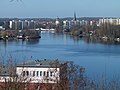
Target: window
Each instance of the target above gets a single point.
(40, 73)
(23, 73)
(5, 80)
(27, 73)
(37, 73)
(30, 73)
(51, 74)
(44, 73)
(47, 74)
(33, 73)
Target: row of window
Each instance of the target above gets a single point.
(37, 73)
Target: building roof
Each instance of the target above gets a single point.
(42, 63)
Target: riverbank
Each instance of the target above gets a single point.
(19, 34)
(99, 34)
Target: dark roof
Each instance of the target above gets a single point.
(42, 63)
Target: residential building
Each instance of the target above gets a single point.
(113, 21)
(66, 24)
(20, 25)
(57, 22)
(10, 26)
(32, 24)
(25, 25)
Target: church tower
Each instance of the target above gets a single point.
(75, 19)
(74, 16)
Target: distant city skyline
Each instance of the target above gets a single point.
(59, 8)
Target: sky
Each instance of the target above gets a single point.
(59, 8)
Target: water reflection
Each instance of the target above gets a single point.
(76, 39)
(8, 42)
(32, 41)
(3, 43)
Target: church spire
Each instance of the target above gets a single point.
(75, 16)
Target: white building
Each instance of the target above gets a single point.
(39, 71)
(10, 24)
(57, 22)
(66, 24)
(2, 28)
(114, 21)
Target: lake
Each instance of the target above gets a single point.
(98, 59)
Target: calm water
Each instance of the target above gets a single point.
(98, 59)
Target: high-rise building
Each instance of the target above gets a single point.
(31, 24)
(13, 24)
(114, 21)
(20, 25)
(10, 26)
(25, 24)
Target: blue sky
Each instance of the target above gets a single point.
(60, 8)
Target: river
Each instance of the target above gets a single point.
(98, 59)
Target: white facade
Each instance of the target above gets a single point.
(114, 21)
(57, 22)
(38, 71)
(38, 74)
(7, 79)
(2, 28)
(10, 24)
